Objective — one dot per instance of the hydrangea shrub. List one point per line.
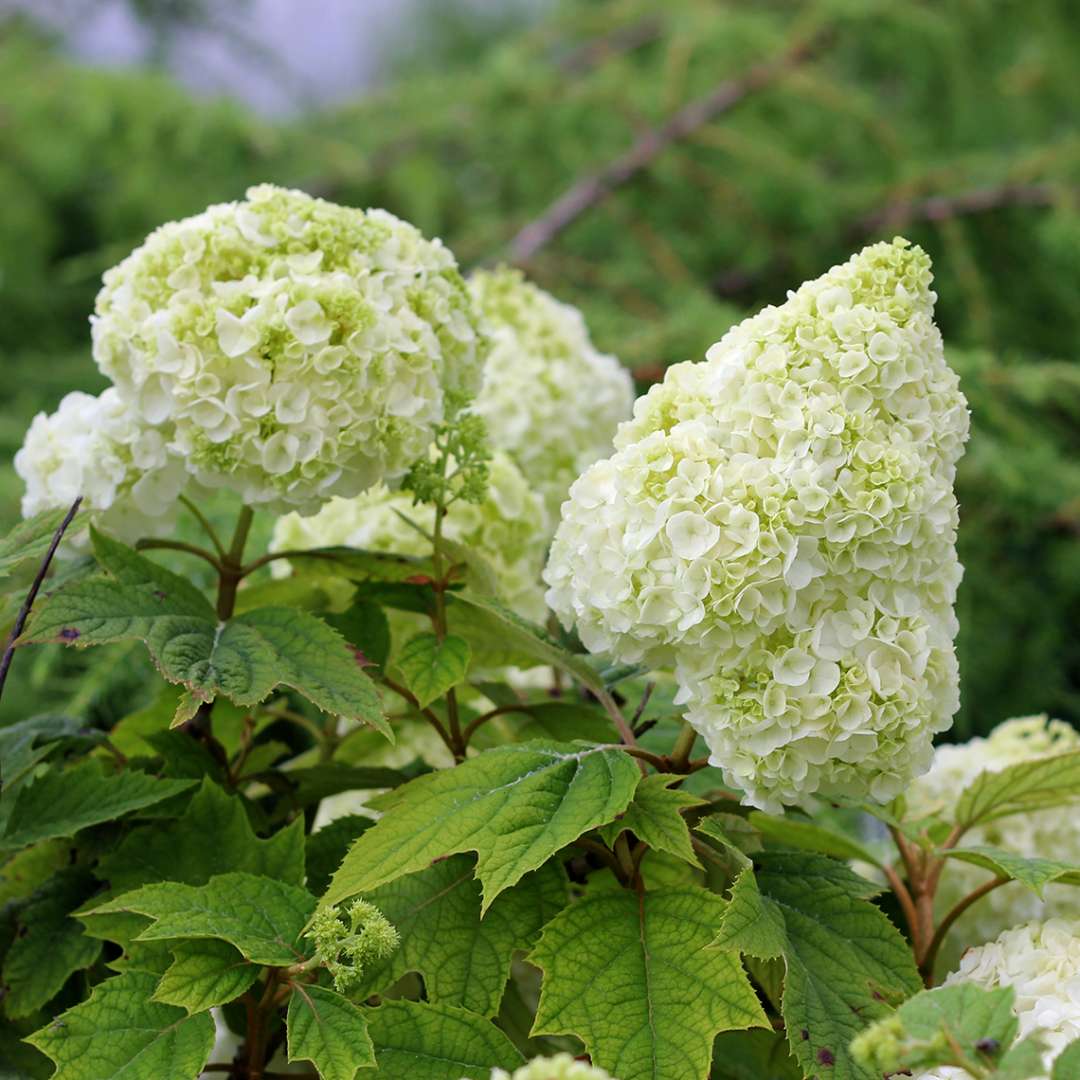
(326, 835)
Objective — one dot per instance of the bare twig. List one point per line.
(31, 596)
(958, 204)
(901, 212)
(593, 189)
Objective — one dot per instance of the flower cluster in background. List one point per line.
(551, 401)
(1041, 962)
(1034, 834)
(779, 522)
(97, 448)
(284, 348)
(506, 530)
(559, 1067)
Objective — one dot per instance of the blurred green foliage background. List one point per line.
(953, 122)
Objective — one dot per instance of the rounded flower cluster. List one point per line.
(559, 1067)
(506, 530)
(287, 348)
(1048, 834)
(550, 399)
(779, 523)
(95, 447)
(1041, 962)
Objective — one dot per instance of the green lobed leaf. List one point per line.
(30, 539)
(515, 806)
(655, 816)
(843, 957)
(180, 851)
(324, 849)
(120, 1033)
(49, 946)
(647, 994)
(430, 667)
(753, 1055)
(26, 743)
(263, 918)
(244, 658)
(1028, 785)
(204, 972)
(495, 622)
(358, 565)
(365, 626)
(328, 1030)
(1067, 1063)
(464, 959)
(427, 1041)
(943, 1026)
(1035, 873)
(64, 801)
(789, 832)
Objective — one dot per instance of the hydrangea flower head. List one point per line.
(296, 349)
(779, 524)
(507, 530)
(1041, 962)
(549, 398)
(1048, 834)
(558, 1067)
(97, 447)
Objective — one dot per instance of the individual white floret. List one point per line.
(779, 524)
(296, 349)
(549, 398)
(1041, 962)
(507, 530)
(97, 447)
(1048, 834)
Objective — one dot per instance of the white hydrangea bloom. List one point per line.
(98, 448)
(1041, 962)
(1048, 834)
(779, 523)
(549, 398)
(558, 1067)
(295, 349)
(507, 530)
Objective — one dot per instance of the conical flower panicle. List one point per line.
(779, 523)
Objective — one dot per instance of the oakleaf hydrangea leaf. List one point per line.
(49, 946)
(1035, 872)
(791, 832)
(328, 1030)
(515, 806)
(496, 625)
(119, 1032)
(465, 960)
(427, 1041)
(1067, 1063)
(936, 1027)
(30, 539)
(431, 667)
(243, 658)
(655, 816)
(261, 917)
(843, 957)
(1027, 785)
(205, 972)
(649, 995)
(63, 801)
(179, 851)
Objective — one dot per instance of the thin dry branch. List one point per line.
(901, 212)
(593, 189)
(960, 204)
